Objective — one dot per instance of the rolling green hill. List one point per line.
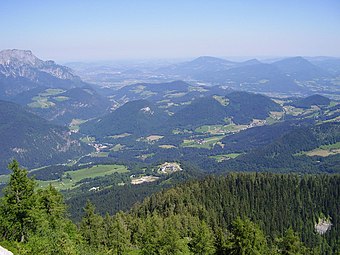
(282, 153)
(141, 117)
(137, 117)
(76, 103)
(301, 69)
(307, 102)
(244, 107)
(201, 111)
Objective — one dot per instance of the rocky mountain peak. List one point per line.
(7, 57)
(23, 63)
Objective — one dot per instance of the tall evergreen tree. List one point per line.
(290, 244)
(120, 235)
(202, 242)
(149, 235)
(91, 226)
(17, 205)
(246, 239)
(171, 241)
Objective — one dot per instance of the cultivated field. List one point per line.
(70, 178)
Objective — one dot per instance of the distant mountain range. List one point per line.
(289, 76)
(32, 140)
(331, 65)
(198, 66)
(286, 75)
(176, 92)
(301, 69)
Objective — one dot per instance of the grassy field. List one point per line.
(117, 147)
(175, 95)
(74, 125)
(99, 154)
(220, 129)
(290, 110)
(120, 136)
(206, 143)
(71, 177)
(222, 157)
(41, 101)
(145, 156)
(167, 146)
(222, 100)
(147, 93)
(51, 92)
(153, 138)
(178, 131)
(61, 98)
(138, 89)
(323, 151)
(274, 117)
(88, 139)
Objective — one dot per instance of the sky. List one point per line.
(84, 30)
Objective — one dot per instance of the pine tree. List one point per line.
(290, 244)
(121, 235)
(149, 235)
(91, 226)
(171, 241)
(51, 205)
(246, 239)
(17, 205)
(36, 220)
(202, 242)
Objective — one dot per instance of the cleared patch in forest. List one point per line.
(153, 138)
(74, 125)
(70, 178)
(41, 101)
(206, 143)
(167, 146)
(220, 129)
(120, 136)
(323, 151)
(61, 98)
(222, 157)
(140, 180)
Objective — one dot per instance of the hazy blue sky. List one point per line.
(101, 30)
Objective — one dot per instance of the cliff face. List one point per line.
(23, 63)
(20, 71)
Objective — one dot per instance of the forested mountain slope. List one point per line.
(265, 214)
(33, 140)
(286, 152)
(275, 202)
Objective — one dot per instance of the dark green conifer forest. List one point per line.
(243, 213)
